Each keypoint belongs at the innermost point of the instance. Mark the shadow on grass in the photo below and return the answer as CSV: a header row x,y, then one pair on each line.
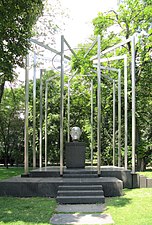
x,y
118,201
27,210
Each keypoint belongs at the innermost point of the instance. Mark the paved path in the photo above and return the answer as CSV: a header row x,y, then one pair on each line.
x,y
74,214
96,219
93,208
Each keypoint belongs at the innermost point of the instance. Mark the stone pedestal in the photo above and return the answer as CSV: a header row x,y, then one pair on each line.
x,y
75,154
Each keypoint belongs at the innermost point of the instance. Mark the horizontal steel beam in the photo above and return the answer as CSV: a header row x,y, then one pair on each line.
x,y
112,48
107,68
110,59
51,78
48,48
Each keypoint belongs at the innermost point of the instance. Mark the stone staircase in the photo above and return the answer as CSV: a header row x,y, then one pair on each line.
x,y
82,188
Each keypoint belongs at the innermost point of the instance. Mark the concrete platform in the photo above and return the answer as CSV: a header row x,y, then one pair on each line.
x,y
106,171
47,187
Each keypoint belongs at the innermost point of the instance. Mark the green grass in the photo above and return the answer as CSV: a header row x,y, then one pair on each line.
x,y
135,207
147,173
26,211
10,172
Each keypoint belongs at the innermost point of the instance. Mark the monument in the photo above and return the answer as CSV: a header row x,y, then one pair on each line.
x,y
75,150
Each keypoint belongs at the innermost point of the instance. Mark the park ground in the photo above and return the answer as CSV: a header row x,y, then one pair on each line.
x,y
134,207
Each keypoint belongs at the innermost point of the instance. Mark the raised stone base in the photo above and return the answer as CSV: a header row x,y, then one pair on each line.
x,y
47,187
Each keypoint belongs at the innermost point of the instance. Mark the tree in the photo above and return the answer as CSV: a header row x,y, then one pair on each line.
x,y
50,22
132,17
12,126
16,22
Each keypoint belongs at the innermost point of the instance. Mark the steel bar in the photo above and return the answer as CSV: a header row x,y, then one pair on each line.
x,y
46,113
99,109
119,118
124,57
133,104
91,122
94,43
68,107
41,119
110,59
61,105
112,48
110,79
68,110
126,108
107,68
48,48
26,135
70,48
34,112
114,120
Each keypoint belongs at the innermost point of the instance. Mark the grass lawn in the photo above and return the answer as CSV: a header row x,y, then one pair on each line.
x,y
147,173
26,211
134,208
10,172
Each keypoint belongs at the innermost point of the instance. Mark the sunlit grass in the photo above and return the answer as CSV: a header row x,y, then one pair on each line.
x,y
147,173
135,207
26,211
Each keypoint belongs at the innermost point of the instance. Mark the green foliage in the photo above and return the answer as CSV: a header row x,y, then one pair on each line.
x,y
132,17
16,21
12,126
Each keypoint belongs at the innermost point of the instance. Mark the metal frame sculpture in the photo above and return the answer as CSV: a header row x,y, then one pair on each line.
x,y
132,41
97,60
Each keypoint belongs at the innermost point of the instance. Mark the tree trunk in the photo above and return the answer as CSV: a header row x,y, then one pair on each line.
x,y
141,164
2,90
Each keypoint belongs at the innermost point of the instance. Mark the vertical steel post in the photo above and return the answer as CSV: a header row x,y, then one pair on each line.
x,y
69,110
26,136
91,122
46,113
99,109
34,112
62,105
133,104
119,117
41,114
126,108
114,120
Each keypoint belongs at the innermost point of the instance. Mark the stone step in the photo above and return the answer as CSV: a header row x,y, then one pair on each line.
x,y
79,171
80,175
80,187
80,199
80,193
